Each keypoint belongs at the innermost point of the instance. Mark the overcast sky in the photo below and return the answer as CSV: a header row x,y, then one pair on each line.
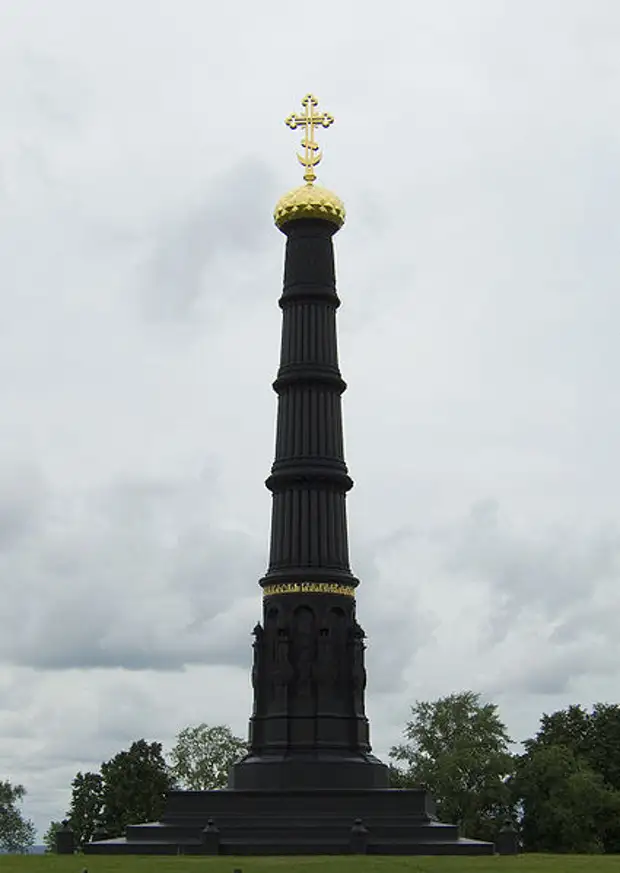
x,y
142,149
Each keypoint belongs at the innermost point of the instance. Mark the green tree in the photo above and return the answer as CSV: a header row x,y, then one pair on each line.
x,y
84,814
591,738
570,727
49,837
457,747
593,735
603,753
398,777
566,804
16,833
203,756
135,784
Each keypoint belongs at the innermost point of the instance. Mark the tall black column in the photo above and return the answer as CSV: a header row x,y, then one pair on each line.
x,y
309,784
308,727
309,477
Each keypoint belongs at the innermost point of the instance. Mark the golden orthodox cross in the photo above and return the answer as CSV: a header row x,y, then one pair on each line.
x,y
309,120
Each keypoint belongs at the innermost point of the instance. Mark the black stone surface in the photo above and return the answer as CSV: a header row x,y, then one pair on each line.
x,y
309,784
308,727
295,823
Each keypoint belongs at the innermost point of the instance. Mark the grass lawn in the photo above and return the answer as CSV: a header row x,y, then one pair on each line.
x,y
325,864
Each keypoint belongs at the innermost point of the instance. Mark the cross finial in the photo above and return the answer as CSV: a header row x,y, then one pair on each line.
x,y
309,120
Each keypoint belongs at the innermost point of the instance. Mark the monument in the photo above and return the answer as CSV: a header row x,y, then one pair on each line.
x,y
309,784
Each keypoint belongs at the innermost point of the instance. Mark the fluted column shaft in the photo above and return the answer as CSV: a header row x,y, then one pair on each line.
x,y
309,478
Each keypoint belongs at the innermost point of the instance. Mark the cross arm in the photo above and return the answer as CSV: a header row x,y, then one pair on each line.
x,y
294,121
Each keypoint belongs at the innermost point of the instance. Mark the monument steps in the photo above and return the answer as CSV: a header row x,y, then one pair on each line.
x,y
280,830
294,846
332,802
404,829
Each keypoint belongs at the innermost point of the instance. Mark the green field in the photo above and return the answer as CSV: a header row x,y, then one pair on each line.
x,y
325,864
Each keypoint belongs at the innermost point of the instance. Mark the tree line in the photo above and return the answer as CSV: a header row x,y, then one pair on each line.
x,y
131,787
561,793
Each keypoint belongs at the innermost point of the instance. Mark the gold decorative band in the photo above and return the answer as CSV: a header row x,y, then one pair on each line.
x,y
309,588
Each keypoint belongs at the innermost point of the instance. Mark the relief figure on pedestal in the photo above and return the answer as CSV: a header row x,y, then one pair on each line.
x,y
304,651
338,622
282,671
331,660
358,670
322,671
276,668
257,647
323,667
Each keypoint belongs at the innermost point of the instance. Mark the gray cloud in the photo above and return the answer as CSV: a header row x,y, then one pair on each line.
x,y
22,505
140,576
397,623
200,255
554,571
532,608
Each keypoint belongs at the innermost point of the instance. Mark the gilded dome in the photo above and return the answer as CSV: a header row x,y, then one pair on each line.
x,y
309,201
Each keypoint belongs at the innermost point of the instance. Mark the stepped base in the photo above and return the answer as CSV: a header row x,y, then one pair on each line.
x,y
312,771
311,822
